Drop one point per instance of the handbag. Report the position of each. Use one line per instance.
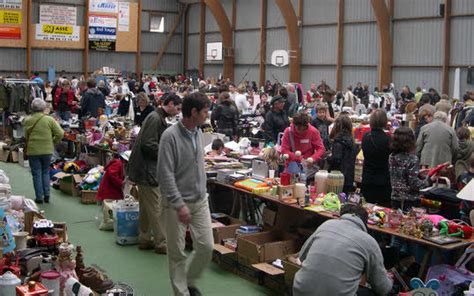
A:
(28, 134)
(450, 276)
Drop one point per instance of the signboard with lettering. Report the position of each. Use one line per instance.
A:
(11, 4)
(58, 14)
(102, 45)
(50, 32)
(107, 6)
(10, 17)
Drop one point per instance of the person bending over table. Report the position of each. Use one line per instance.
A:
(302, 142)
(338, 254)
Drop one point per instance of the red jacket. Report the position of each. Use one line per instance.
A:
(57, 97)
(309, 143)
(110, 186)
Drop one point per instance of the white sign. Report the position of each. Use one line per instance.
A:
(102, 21)
(13, 4)
(107, 6)
(49, 32)
(58, 14)
(280, 58)
(214, 51)
(124, 17)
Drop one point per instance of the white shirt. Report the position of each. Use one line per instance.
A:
(123, 89)
(241, 103)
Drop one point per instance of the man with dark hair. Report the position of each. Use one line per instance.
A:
(346, 244)
(142, 170)
(183, 186)
(92, 100)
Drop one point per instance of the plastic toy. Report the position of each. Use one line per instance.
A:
(454, 229)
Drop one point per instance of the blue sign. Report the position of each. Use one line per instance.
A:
(102, 31)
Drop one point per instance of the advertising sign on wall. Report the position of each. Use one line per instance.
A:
(124, 17)
(10, 17)
(58, 14)
(102, 45)
(13, 4)
(57, 32)
(10, 33)
(107, 6)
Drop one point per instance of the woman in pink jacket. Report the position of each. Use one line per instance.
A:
(302, 142)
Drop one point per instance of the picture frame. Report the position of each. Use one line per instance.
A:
(285, 191)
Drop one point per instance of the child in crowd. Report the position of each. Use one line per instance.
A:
(112, 183)
(322, 124)
(217, 148)
(343, 151)
(404, 170)
(463, 180)
(466, 148)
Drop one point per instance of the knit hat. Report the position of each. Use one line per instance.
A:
(276, 99)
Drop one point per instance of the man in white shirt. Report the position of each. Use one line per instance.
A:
(232, 91)
(241, 100)
(119, 88)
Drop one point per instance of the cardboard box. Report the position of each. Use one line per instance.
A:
(68, 183)
(88, 197)
(291, 268)
(265, 246)
(228, 231)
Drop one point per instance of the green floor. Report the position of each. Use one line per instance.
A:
(145, 271)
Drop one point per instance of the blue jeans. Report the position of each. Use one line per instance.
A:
(39, 165)
(64, 115)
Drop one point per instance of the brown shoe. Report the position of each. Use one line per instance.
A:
(146, 245)
(96, 281)
(163, 250)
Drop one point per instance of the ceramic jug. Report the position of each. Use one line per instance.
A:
(8, 283)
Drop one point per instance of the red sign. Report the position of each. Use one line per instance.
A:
(10, 33)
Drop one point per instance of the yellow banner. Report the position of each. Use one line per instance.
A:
(10, 17)
(57, 29)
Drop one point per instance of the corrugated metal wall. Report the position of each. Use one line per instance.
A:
(319, 45)
(247, 47)
(462, 6)
(464, 86)
(119, 60)
(462, 41)
(69, 61)
(315, 74)
(361, 44)
(418, 8)
(365, 75)
(248, 14)
(358, 10)
(273, 73)
(249, 73)
(319, 11)
(163, 5)
(13, 59)
(212, 70)
(193, 52)
(413, 77)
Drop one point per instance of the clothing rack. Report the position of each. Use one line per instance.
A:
(20, 81)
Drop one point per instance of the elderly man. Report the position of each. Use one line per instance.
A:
(437, 142)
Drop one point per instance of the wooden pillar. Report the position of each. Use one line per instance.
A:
(391, 7)
(185, 41)
(29, 37)
(85, 57)
(382, 16)
(263, 41)
(138, 57)
(234, 15)
(225, 27)
(340, 45)
(202, 38)
(447, 45)
(291, 21)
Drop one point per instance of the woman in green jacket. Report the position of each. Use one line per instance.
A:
(42, 133)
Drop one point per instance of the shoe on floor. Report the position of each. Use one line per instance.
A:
(46, 199)
(38, 201)
(146, 245)
(161, 250)
(193, 291)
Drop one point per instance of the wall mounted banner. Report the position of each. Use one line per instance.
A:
(107, 6)
(102, 45)
(104, 29)
(124, 17)
(58, 14)
(10, 17)
(10, 33)
(13, 4)
(50, 32)
(102, 33)
(102, 21)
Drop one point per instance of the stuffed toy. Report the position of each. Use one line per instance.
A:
(92, 179)
(451, 228)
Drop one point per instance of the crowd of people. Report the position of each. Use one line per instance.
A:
(313, 127)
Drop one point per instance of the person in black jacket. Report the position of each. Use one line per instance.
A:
(435, 98)
(276, 120)
(376, 148)
(92, 101)
(143, 108)
(225, 117)
(343, 151)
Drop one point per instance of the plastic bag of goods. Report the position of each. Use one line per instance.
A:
(4, 178)
(107, 213)
(126, 221)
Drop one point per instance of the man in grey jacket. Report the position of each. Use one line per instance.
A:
(183, 187)
(142, 170)
(437, 142)
(337, 255)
